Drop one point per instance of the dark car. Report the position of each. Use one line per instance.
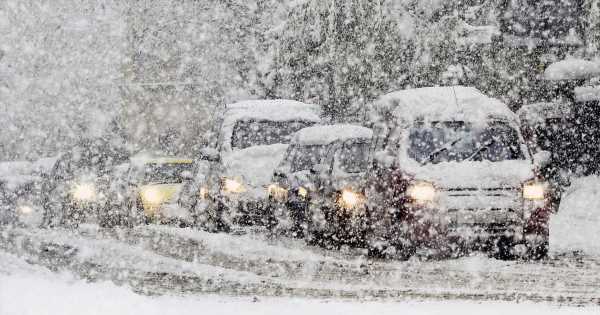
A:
(315, 186)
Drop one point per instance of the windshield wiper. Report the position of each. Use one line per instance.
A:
(481, 149)
(445, 147)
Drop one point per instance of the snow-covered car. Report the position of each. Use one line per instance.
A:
(452, 172)
(78, 188)
(252, 139)
(161, 189)
(321, 168)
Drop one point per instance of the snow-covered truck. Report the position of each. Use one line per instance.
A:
(251, 139)
(452, 172)
(320, 170)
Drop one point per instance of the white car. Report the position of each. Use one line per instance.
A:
(252, 137)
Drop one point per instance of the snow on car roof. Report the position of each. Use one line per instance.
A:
(273, 110)
(141, 160)
(538, 112)
(326, 134)
(441, 103)
(571, 69)
(587, 93)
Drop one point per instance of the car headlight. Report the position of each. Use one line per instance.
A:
(534, 191)
(349, 199)
(422, 192)
(235, 186)
(25, 210)
(303, 192)
(277, 192)
(152, 196)
(203, 193)
(84, 192)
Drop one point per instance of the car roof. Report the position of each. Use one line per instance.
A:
(326, 134)
(144, 160)
(451, 103)
(272, 110)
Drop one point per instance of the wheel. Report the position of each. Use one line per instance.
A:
(504, 248)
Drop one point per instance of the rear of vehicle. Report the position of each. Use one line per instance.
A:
(454, 175)
(253, 137)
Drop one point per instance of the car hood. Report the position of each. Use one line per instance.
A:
(254, 165)
(456, 175)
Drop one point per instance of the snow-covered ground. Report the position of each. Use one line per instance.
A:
(36, 291)
(576, 226)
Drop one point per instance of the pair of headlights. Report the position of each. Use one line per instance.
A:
(425, 192)
(281, 194)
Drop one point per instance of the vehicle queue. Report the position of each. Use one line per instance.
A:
(442, 168)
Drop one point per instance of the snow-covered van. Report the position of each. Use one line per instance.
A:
(319, 172)
(252, 137)
(451, 171)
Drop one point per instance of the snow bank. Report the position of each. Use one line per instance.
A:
(34, 294)
(587, 93)
(442, 103)
(576, 226)
(572, 69)
(328, 134)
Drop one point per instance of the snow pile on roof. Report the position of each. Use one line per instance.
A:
(587, 93)
(537, 113)
(273, 110)
(572, 69)
(330, 133)
(576, 226)
(442, 103)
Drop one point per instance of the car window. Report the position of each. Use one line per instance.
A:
(252, 133)
(354, 156)
(305, 157)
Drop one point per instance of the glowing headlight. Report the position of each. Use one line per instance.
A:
(233, 186)
(203, 193)
(152, 196)
(422, 192)
(25, 210)
(84, 192)
(277, 192)
(534, 191)
(302, 192)
(350, 199)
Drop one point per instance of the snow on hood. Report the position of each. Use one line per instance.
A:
(576, 225)
(441, 103)
(474, 174)
(572, 69)
(323, 135)
(255, 165)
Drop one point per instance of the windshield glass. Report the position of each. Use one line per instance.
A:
(354, 157)
(457, 141)
(175, 173)
(252, 133)
(305, 157)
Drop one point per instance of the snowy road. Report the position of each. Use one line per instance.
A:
(171, 261)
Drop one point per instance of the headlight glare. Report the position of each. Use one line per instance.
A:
(277, 192)
(84, 192)
(422, 192)
(349, 199)
(303, 192)
(235, 186)
(534, 191)
(152, 196)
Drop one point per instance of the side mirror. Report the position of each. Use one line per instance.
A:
(542, 159)
(210, 154)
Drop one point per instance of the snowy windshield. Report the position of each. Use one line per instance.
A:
(305, 157)
(169, 173)
(252, 133)
(457, 141)
(354, 157)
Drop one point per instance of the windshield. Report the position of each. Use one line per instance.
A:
(457, 141)
(252, 133)
(354, 157)
(305, 157)
(175, 173)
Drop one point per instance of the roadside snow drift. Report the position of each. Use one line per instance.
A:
(576, 226)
